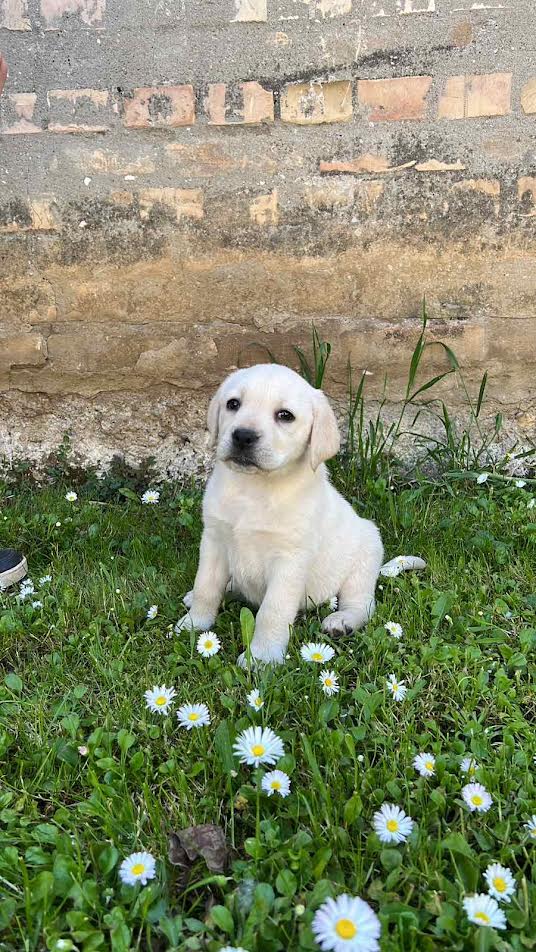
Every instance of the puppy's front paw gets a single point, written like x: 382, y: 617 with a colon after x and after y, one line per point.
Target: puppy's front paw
x: 347, y: 620
x: 339, y: 623
x: 193, y: 622
x: 265, y: 654
x: 188, y: 599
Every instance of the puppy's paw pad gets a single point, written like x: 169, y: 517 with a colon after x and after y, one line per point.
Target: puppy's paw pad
x: 188, y: 599
x: 339, y: 623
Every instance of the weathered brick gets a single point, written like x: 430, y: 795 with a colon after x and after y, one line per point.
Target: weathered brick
x: 78, y: 110
x: 251, y: 10
x: 38, y: 214
x: 416, y: 6
x: 471, y: 97
x: 208, y: 158
x: 22, y: 350
x: 368, y: 194
x: 434, y: 165
x: 330, y: 8
x: 184, y: 202
x: 104, y: 162
x: 489, y: 187
x: 528, y: 97
x: 90, y: 12
x: 160, y: 107
x: 361, y: 164
x: 14, y: 15
x: 330, y: 195
x: 314, y: 103
x: 257, y: 105
x: 526, y: 185
x: 164, y: 361
x: 394, y: 99
x: 16, y: 114
x: 264, y: 210
x: 461, y: 33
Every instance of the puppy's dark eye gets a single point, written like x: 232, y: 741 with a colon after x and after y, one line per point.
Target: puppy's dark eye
x: 233, y: 404
x: 285, y: 416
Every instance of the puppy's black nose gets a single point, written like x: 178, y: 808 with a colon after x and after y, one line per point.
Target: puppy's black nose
x: 244, y: 438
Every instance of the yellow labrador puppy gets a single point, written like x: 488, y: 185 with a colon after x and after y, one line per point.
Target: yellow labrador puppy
x: 275, y: 529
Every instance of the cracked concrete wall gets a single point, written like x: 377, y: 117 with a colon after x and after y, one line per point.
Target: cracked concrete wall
x: 185, y: 186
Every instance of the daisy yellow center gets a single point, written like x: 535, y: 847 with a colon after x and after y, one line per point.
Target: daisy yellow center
x: 258, y: 702
x: 477, y: 800
x: 429, y: 765
x: 472, y: 769
x: 257, y: 750
x: 328, y: 682
x: 345, y: 929
x: 392, y: 826
x: 316, y: 656
x: 208, y: 645
x: 532, y: 831
x: 394, y: 686
x: 193, y: 716
x: 276, y: 785
x: 138, y: 869
x: 161, y: 700
x: 500, y: 884
x: 483, y: 917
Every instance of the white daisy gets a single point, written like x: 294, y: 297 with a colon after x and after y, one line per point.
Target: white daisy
x: 150, y: 497
x: 394, y: 629
x: 193, y: 715
x: 71, y: 496
x: 469, y: 766
x: 531, y: 827
x: 330, y: 682
x: 254, y: 699
x: 258, y: 745
x: 425, y: 764
x: 37, y: 604
x: 484, y: 910
x: 152, y: 612
x: 391, y: 824
x: 27, y: 587
x: 482, y: 478
x: 137, y: 868
x: 208, y: 644
x: 477, y: 797
x: 318, y: 652
x: 397, y: 688
x: 158, y: 699
x: 520, y: 483
x: 501, y: 883
x: 276, y: 781
x: 44, y: 579
x: 346, y: 924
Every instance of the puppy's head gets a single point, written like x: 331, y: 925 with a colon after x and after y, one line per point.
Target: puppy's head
x: 266, y: 417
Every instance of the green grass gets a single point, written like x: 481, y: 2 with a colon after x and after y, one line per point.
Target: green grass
x: 75, y: 671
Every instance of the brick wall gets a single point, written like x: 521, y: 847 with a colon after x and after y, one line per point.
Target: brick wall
x: 187, y: 184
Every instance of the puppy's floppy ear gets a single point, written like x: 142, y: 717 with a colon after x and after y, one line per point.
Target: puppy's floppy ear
x: 325, y: 436
x: 213, y: 418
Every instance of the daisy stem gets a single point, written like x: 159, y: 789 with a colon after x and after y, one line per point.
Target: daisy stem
x: 258, y: 815
x: 482, y: 939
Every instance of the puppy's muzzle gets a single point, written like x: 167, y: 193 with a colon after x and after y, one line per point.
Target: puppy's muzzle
x: 244, y: 443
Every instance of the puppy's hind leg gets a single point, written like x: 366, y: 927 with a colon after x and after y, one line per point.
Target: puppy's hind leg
x: 356, y: 596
